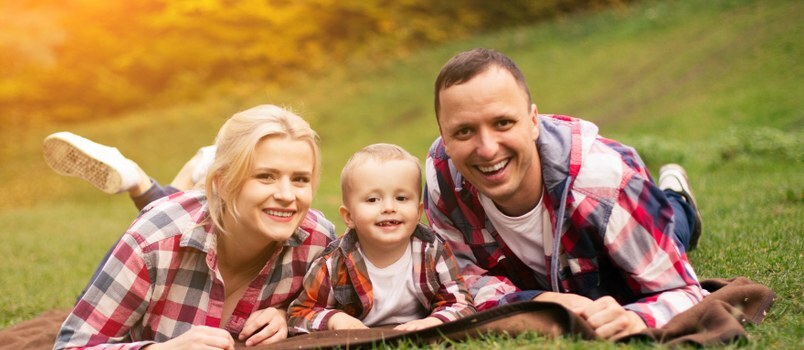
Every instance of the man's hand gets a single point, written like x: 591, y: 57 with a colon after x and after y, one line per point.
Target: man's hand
x: 198, y: 337
x: 264, y: 327
x: 341, y: 320
x: 419, y: 324
x: 567, y: 300
x: 609, y: 319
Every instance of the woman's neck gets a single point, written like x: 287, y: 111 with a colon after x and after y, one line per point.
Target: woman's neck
x: 239, y: 253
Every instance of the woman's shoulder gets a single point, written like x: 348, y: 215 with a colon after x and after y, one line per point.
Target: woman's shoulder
x: 318, y: 227
x: 171, y: 216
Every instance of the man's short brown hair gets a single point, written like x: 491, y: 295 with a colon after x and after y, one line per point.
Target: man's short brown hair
x: 468, y: 64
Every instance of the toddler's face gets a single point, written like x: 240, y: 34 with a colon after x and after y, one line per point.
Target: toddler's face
x: 384, y: 203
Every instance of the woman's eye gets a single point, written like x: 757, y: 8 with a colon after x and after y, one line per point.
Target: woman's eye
x: 302, y: 179
x: 265, y: 176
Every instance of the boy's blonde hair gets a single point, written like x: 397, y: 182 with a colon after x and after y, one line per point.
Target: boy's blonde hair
x: 382, y: 152
x: 234, y: 159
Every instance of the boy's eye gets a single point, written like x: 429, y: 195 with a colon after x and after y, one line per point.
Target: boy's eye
x: 372, y: 200
x: 401, y: 198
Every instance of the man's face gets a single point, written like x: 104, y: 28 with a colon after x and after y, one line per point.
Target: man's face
x: 489, y: 130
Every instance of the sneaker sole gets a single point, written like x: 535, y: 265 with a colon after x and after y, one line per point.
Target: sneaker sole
x: 68, y: 159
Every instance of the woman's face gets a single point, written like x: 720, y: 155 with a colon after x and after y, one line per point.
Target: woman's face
x: 277, y: 194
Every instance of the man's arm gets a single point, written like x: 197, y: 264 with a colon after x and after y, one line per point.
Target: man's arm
x: 639, y: 241
x: 487, y: 290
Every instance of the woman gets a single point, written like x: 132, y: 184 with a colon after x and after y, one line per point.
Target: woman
x: 202, y: 268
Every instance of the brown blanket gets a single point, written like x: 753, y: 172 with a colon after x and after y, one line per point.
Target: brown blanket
x: 718, y: 319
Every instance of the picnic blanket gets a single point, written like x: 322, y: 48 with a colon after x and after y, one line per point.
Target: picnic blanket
x: 719, y: 319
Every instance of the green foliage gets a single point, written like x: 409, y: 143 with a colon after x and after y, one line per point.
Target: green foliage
x: 714, y: 85
x: 85, y: 59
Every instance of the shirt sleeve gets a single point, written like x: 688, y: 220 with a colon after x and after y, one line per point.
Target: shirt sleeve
x: 316, y: 303
x: 114, y: 303
x: 452, y: 300
x: 639, y: 240
x: 487, y: 290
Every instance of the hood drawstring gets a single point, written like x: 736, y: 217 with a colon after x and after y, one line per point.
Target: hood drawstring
x: 554, y: 268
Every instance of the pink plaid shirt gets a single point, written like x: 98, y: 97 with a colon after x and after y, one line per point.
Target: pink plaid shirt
x: 163, y: 278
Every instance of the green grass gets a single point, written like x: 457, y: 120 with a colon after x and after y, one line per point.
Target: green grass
x: 714, y: 85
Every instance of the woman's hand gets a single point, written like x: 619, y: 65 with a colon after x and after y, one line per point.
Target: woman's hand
x: 341, y: 320
x: 264, y: 327
x: 419, y: 324
x: 198, y: 337
x: 573, y: 302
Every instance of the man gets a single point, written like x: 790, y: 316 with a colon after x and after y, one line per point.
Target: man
x: 542, y: 208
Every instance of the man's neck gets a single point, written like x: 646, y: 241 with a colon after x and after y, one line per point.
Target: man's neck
x: 529, y: 193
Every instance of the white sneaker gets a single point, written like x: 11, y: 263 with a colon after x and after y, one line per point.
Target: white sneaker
x: 673, y: 177
x: 205, y: 155
x: 102, y: 166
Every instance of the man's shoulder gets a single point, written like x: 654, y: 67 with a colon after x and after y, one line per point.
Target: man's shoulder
x: 437, y: 151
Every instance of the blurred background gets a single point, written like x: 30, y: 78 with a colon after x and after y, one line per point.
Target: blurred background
x: 714, y: 85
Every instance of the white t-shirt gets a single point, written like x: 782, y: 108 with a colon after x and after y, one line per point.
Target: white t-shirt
x: 524, y: 234
x: 394, y: 293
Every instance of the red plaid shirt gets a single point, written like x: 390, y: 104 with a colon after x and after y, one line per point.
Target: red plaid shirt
x: 163, y: 278
x: 339, y: 282
x: 612, y: 227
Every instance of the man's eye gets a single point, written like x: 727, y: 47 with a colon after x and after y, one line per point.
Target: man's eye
x: 463, y: 133
x: 504, y: 123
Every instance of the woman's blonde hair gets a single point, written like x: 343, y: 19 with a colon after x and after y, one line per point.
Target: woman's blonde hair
x: 234, y: 158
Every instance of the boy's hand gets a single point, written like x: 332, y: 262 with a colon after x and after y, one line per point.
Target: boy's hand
x: 419, y: 324
x: 264, y: 327
x: 341, y: 320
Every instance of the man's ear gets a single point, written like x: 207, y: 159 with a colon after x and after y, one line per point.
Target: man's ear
x: 346, y: 215
x: 534, y: 116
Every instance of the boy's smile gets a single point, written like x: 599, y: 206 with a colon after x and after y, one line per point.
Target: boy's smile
x: 384, y: 207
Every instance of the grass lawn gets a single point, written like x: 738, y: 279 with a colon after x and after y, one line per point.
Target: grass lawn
x: 714, y: 85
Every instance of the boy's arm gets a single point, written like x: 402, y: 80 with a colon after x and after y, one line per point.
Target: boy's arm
x: 452, y: 299
x: 315, y: 305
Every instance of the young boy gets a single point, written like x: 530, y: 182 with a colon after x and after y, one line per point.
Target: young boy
x: 387, y: 269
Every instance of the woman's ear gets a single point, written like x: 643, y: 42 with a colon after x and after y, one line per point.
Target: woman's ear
x: 346, y: 215
x: 534, y: 115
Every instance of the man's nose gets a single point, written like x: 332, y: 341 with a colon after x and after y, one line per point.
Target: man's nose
x: 487, y: 144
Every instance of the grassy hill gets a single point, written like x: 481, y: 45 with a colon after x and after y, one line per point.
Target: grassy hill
x: 715, y: 85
